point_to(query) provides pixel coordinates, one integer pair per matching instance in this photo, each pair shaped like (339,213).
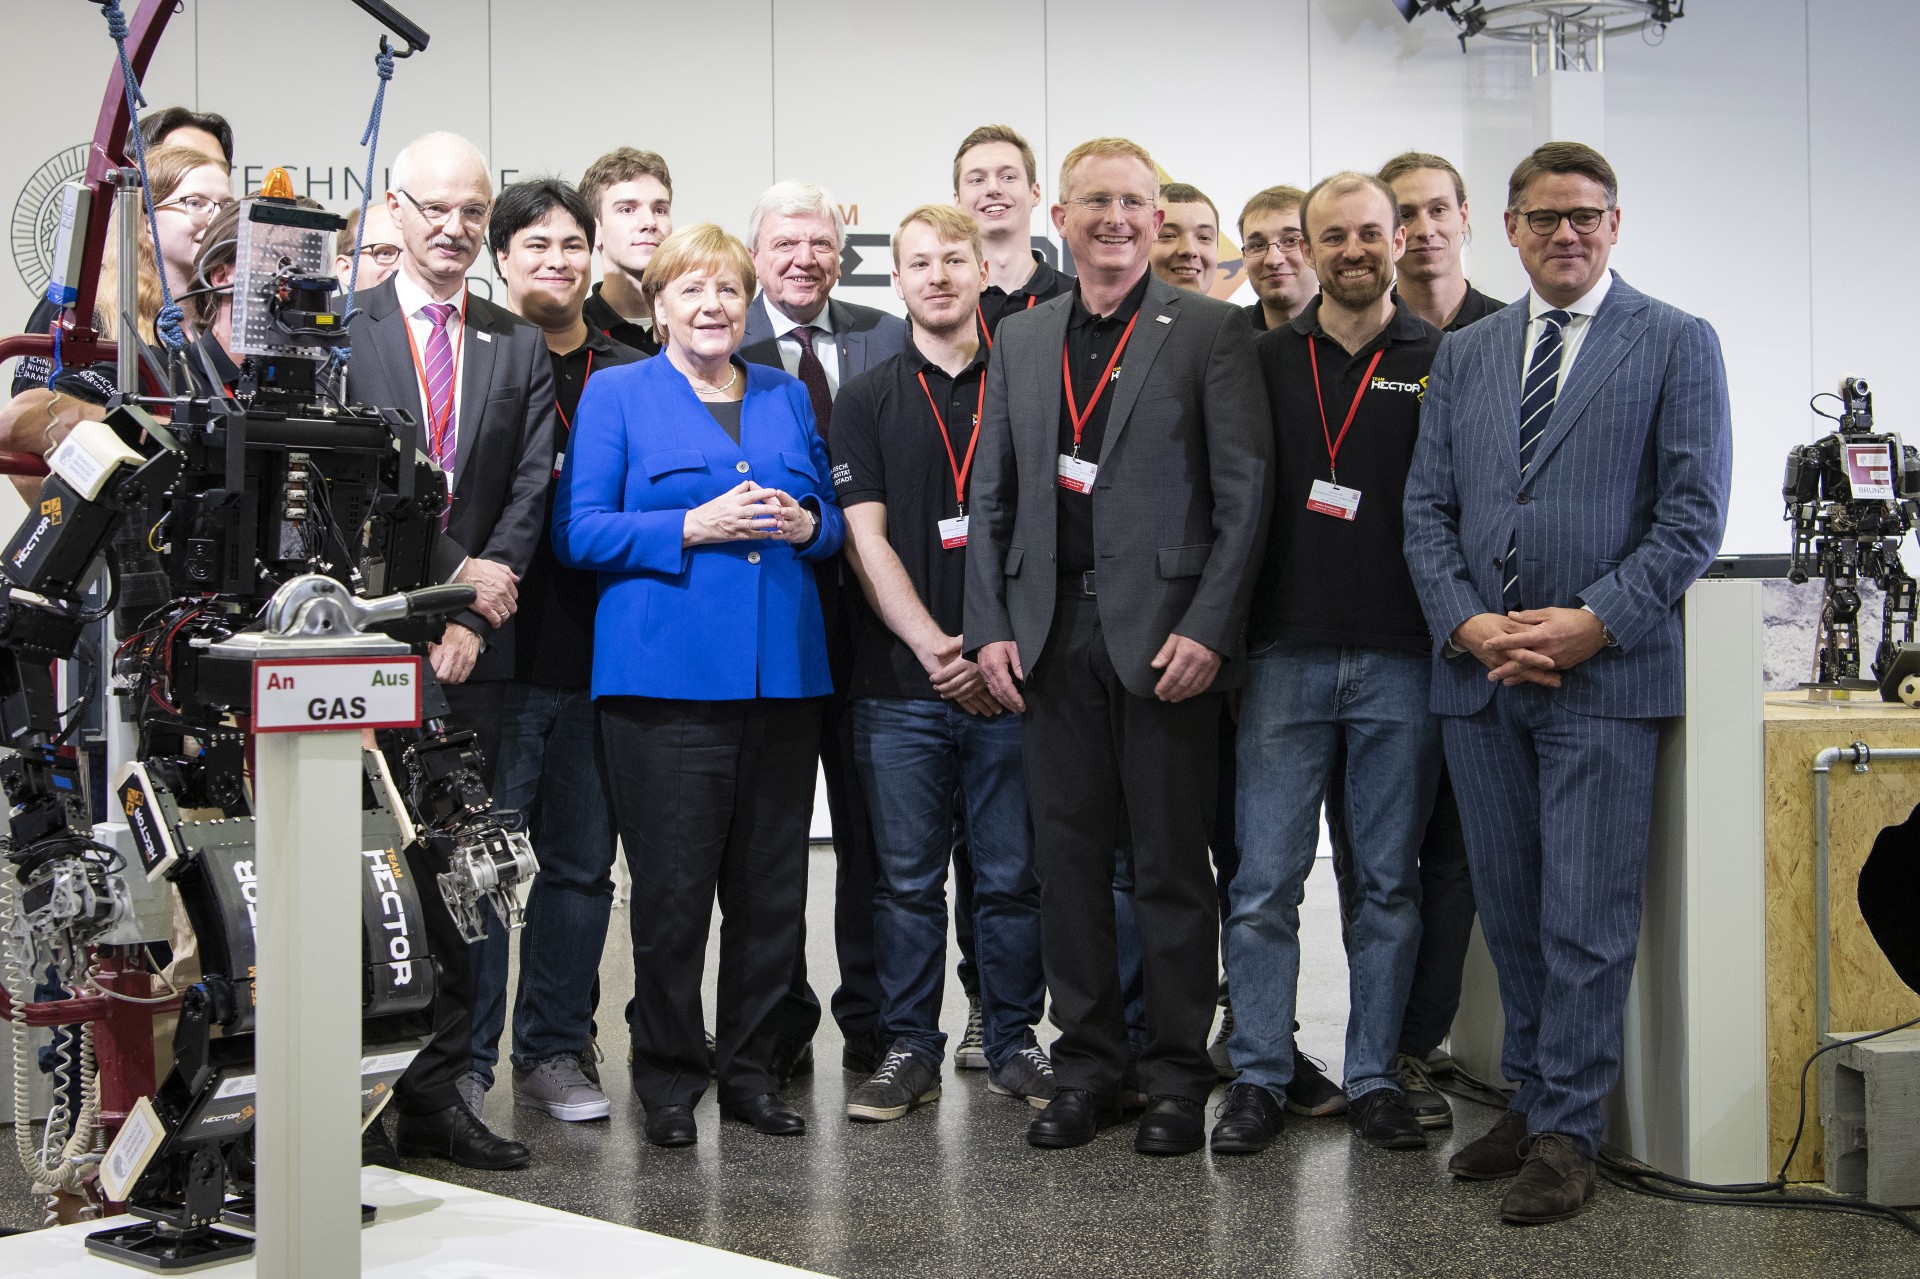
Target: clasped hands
(958,680)
(1531,646)
(748,512)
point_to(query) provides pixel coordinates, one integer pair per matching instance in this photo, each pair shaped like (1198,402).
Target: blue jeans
(1302,702)
(549,770)
(914,758)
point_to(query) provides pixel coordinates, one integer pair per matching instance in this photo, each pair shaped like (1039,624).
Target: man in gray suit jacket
(1121,488)
(795,234)
(1569,486)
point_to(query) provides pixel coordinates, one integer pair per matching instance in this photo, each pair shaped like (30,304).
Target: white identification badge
(559,463)
(953,533)
(1329,498)
(1077,473)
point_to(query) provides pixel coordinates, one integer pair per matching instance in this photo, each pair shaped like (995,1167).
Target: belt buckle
(1086,582)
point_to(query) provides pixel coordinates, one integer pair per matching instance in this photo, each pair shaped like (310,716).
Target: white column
(307,1041)
(1569,87)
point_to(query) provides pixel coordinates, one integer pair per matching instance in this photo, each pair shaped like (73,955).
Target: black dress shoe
(792,1058)
(1249,1121)
(864,1052)
(454,1134)
(1498,1154)
(376,1148)
(1171,1126)
(671,1126)
(1383,1120)
(1555,1183)
(1072,1118)
(768,1114)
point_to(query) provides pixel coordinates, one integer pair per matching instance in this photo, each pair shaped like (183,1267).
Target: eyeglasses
(1546,221)
(1285,242)
(196,207)
(1101,203)
(438,214)
(384,254)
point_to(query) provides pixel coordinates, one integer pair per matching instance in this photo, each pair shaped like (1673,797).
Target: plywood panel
(1866,994)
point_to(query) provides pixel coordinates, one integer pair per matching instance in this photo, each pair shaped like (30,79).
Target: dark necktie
(813,375)
(1537,394)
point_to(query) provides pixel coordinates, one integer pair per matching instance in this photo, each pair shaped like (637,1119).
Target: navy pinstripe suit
(1622,509)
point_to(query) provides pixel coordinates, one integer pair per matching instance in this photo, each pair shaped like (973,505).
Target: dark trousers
(1446,909)
(711,797)
(428,1084)
(856,1000)
(1094,751)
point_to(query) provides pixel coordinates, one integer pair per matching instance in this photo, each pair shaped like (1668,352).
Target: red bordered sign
(326,694)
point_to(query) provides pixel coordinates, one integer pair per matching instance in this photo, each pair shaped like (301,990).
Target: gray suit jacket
(1180,505)
(503,454)
(865,336)
(1622,510)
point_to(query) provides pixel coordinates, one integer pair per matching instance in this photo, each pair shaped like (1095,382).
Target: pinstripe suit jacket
(1622,511)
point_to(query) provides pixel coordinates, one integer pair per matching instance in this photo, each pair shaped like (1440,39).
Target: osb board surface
(1866,994)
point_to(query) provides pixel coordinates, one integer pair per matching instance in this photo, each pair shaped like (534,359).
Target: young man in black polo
(935,750)
(630,194)
(1432,199)
(541,236)
(1338,655)
(997,180)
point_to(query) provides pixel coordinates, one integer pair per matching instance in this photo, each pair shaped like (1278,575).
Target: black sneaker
(1310,1092)
(1421,1095)
(902,1082)
(1217,1050)
(1028,1075)
(1381,1118)
(972,1052)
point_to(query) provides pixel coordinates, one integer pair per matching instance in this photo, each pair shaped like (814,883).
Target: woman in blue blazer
(697,486)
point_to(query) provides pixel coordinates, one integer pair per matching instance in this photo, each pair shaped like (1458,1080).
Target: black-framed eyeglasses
(1285,242)
(384,254)
(438,214)
(1101,203)
(1545,222)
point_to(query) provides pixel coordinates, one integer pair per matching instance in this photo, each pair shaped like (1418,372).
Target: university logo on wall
(36,216)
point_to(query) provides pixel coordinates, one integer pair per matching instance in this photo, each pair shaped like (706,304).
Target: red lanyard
(960,468)
(1333,442)
(1079,418)
(437,430)
(987,333)
(556,396)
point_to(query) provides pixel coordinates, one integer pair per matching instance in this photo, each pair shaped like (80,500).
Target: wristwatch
(1606,635)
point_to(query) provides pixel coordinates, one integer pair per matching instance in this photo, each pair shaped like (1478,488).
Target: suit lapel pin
(483,335)
(1165,319)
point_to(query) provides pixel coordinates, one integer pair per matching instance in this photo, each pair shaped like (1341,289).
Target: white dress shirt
(412,299)
(1572,335)
(789,341)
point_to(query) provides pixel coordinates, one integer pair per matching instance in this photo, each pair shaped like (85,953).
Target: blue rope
(370,139)
(167,325)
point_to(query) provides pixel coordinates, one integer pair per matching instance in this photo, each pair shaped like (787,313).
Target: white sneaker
(972,1052)
(558,1087)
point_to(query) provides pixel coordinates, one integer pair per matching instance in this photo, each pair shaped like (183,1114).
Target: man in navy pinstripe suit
(1569,485)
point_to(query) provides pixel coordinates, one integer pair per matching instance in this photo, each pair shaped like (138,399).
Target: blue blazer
(704,623)
(1622,511)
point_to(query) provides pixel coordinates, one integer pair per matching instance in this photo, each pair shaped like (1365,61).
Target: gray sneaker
(473,1092)
(1026,1074)
(902,1082)
(972,1052)
(559,1087)
(1217,1050)
(1421,1095)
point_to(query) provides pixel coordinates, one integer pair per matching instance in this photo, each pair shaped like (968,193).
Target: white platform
(432,1230)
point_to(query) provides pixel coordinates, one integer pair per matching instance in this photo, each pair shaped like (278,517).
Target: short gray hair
(788,199)
(441,143)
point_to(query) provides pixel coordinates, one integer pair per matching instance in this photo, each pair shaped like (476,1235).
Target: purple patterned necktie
(438,366)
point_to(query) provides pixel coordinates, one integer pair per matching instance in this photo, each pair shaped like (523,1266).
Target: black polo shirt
(1091,340)
(94,383)
(1324,579)
(553,628)
(1256,316)
(601,317)
(1475,306)
(887,447)
(996,304)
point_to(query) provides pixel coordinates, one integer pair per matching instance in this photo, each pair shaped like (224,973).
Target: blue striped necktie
(1537,394)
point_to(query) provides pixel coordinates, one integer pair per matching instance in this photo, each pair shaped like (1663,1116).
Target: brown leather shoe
(1498,1154)
(1555,1183)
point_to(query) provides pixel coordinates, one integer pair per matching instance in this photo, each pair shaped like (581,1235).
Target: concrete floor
(953,1190)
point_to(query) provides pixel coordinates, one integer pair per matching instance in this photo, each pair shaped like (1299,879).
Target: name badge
(1076,473)
(953,533)
(1329,498)
(559,461)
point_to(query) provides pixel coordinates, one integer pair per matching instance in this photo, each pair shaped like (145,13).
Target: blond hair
(948,223)
(987,133)
(1105,147)
(700,246)
(167,168)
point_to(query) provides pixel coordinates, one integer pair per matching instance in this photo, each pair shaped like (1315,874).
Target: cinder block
(1870,1108)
